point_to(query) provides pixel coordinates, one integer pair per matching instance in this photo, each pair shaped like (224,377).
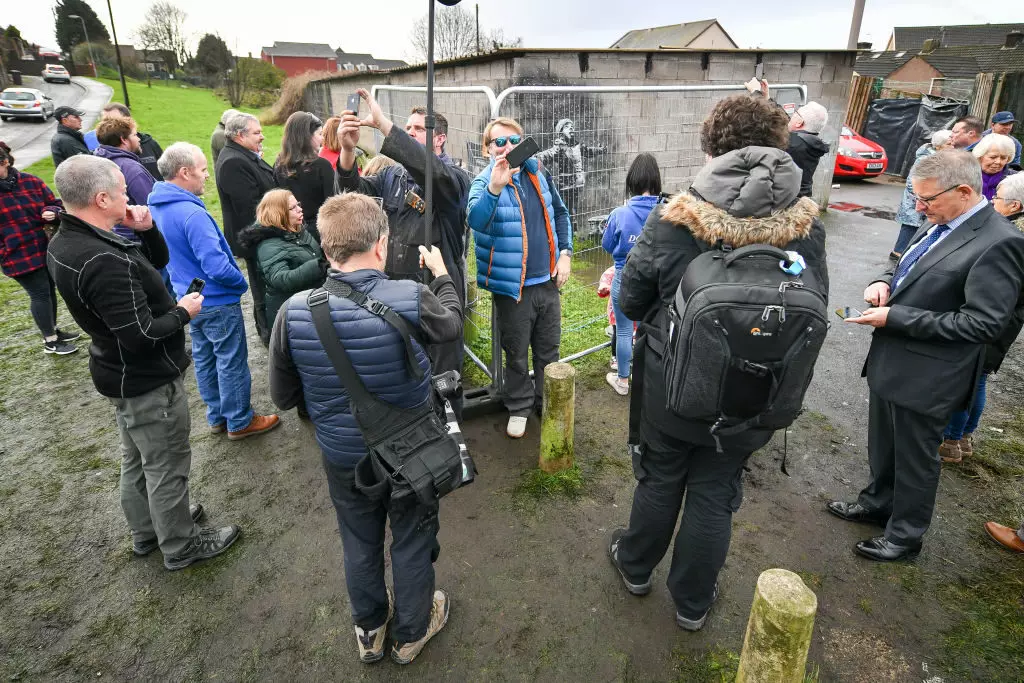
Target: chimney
(929,46)
(1013,40)
(864,46)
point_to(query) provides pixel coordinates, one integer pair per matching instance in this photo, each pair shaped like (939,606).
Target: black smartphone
(196,286)
(521,152)
(848,312)
(353,103)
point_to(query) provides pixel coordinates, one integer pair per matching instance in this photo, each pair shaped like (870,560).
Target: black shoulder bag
(414,456)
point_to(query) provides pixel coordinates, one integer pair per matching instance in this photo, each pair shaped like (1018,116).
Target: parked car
(25,103)
(56,72)
(858,157)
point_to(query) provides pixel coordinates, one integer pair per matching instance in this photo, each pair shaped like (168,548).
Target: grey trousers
(534,321)
(903,455)
(155,463)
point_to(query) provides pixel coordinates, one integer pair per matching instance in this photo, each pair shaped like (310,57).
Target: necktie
(919,250)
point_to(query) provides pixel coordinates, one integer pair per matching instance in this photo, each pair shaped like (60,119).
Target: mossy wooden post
(779,631)
(556,429)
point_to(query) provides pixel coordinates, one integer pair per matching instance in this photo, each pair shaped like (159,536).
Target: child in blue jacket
(643,181)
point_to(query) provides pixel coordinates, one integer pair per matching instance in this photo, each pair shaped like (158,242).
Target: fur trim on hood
(708,223)
(250,237)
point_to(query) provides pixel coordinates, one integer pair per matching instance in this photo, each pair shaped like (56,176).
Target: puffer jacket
(748,196)
(907,214)
(289,262)
(499,228)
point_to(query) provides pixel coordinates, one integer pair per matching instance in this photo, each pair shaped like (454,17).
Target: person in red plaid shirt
(26,204)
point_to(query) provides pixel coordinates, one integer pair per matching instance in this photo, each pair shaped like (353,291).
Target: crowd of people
(138,258)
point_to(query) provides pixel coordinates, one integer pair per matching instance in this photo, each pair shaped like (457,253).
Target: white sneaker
(621,386)
(516,427)
(614,364)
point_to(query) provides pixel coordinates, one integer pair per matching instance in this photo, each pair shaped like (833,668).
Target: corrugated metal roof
(280,49)
(913,37)
(674,35)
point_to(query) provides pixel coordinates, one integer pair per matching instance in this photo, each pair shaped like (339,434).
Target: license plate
(19,106)
(875,167)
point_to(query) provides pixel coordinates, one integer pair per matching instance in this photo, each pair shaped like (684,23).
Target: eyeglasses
(514,139)
(928,200)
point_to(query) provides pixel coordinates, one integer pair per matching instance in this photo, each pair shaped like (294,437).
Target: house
(356,61)
(298,58)
(934,60)
(913,37)
(707,34)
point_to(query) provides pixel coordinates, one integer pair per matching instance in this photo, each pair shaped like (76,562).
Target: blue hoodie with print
(624,225)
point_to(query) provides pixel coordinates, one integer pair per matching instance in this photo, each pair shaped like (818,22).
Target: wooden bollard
(779,631)
(556,428)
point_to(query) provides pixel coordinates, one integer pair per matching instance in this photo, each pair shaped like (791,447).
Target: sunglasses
(514,139)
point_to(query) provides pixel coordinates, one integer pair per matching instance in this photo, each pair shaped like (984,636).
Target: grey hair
(237,124)
(228,113)
(999,143)
(949,169)
(815,117)
(81,177)
(1013,188)
(176,157)
(941,137)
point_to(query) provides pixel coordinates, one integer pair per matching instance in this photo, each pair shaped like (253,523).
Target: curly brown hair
(744,121)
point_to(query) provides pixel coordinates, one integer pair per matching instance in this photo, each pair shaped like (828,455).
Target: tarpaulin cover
(900,126)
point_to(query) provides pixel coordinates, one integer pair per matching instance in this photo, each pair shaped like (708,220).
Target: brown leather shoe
(259,424)
(950,452)
(1005,536)
(967,445)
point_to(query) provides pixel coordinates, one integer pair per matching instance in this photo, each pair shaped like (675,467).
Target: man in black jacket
(68,140)
(243,177)
(137,355)
(400,188)
(805,146)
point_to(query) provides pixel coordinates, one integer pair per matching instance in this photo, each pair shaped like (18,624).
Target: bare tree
(237,81)
(455,35)
(164,29)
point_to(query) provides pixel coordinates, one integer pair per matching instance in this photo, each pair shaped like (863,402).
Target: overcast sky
(382,27)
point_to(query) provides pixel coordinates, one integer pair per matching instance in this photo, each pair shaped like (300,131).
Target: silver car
(25,103)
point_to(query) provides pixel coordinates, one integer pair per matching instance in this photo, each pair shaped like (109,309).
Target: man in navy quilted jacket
(354,237)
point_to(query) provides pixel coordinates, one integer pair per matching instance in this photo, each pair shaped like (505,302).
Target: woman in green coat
(288,257)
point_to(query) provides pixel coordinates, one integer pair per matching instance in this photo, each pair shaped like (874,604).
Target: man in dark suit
(243,177)
(951,294)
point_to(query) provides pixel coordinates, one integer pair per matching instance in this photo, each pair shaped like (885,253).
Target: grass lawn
(171,112)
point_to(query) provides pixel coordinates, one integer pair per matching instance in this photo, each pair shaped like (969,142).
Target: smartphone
(353,103)
(848,312)
(196,286)
(521,152)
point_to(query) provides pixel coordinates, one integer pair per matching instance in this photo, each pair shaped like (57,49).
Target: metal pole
(87,43)
(478,28)
(428,200)
(117,53)
(858,17)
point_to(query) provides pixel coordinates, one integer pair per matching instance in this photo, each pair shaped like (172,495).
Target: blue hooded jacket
(499,228)
(624,226)
(197,246)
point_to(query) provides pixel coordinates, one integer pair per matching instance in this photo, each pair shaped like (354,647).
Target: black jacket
(242,180)
(806,149)
(66,142)
(677,232)
(312,184)
(150,154)
(117,295)
(996,351)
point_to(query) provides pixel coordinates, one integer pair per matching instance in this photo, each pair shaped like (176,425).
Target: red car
(858,157)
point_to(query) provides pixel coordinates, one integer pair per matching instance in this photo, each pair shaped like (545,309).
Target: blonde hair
(1002,144)
(500,121)
(330,131)
(273,210)
(377,164)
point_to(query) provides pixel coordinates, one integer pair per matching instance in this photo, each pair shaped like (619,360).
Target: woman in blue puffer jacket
(643,181)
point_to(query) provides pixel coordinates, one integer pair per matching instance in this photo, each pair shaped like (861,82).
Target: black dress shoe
(855,512)
(882,549)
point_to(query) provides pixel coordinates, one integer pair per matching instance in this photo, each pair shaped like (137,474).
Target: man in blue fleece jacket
(198,249)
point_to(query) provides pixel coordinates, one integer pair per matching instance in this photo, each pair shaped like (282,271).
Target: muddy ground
(534,597)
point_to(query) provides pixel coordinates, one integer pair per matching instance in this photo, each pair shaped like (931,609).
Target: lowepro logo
(756,332)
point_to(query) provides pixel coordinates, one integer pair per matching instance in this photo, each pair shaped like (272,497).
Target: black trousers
(259,310)
(534,321)
(713,487)
(42,299)
(903,454)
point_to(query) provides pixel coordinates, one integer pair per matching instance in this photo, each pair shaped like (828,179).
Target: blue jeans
(623,329)
(221,358)
(966,421)
(903,241)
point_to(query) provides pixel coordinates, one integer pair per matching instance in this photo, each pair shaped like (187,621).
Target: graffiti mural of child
(564,161)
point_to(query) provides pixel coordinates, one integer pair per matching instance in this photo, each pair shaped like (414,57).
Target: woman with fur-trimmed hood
(746,194)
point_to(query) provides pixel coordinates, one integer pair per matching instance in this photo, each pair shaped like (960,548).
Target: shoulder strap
(317,302)
(382,310)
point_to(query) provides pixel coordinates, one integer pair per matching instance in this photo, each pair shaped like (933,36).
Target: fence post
(556,429)
(779,631)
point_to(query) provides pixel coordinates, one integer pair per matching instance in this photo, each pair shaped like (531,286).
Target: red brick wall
(915,71)
(293,66)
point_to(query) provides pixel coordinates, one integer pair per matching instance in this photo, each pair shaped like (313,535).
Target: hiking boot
(259,425)
(404,653)
(895,256)
(950,451)
(619,384)
(208,543)
(635,588)
(61,348)
(219,428)
(516,427)
(371,643)
(143,548)
(967,445)
(67,336)
(696,624)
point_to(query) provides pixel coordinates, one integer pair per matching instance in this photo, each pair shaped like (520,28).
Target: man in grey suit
(952,292)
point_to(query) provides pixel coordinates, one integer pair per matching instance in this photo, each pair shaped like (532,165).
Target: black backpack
(743,338)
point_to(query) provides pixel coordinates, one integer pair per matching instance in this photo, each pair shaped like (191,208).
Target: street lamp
(87,43)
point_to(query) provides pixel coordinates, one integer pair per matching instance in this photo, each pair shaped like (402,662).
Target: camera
(447,384)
